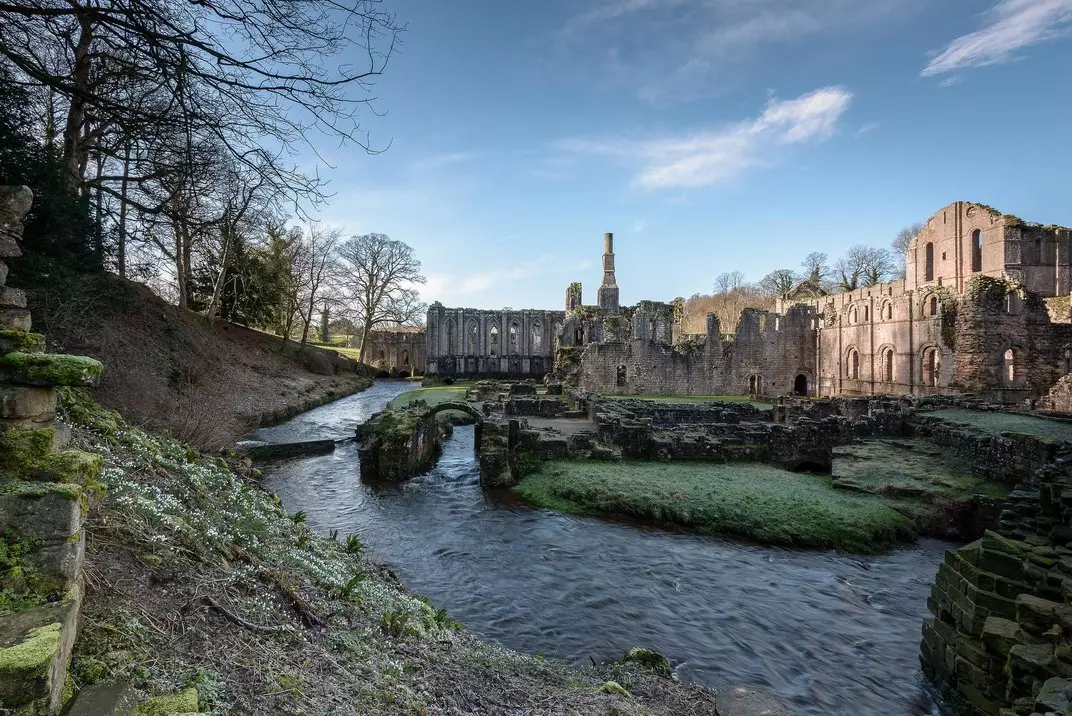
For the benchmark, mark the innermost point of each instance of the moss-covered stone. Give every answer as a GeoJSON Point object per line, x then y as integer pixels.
{"type": "Point", "coordinates": [648, 658]}
{"type": "Point", "coordinates": [183, 702]}
{"type": "Point", "coordinates": [80, 409]}
{"type": "Point", "coordinates": [25, 664]}
{"type": "Point", "coordinates": [613, 687]}
{"type": "Point", "coordinates": [23, 449]}
{"type": "Point", "coordinates": [49, 369]}
{"type": "Point", "coordinates": [24, 341]}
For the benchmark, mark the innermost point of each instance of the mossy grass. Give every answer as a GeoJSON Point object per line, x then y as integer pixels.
{"type": "Point", "coordinates": [431, 395]}
{"type": "Point", "coordinates": [751, 501]}
{"type": "Point", "coordinates": [997, 423]}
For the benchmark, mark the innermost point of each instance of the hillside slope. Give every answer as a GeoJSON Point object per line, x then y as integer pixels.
{"type": "Point", "coordinates": [170, 371]}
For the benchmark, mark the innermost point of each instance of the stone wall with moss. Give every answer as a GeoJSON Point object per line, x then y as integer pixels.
{"type": "Point", "coordinates": [44, 488]}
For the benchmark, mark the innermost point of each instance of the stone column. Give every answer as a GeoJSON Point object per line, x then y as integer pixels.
{"type": "Point", "coordinates": [607, 295]}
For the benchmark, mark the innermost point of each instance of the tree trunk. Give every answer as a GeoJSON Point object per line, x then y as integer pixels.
{"type": "Point", "coordinates": [180, 269]}
{"type": "Point", "coordinates": [289, 325]}
{"type": "Point", "coordinates": [324, 317]}
{"type": "Point", "coordinates": [98, 230]}
{"type": "Point", "coordinates": [221, 279]}
{"type": "Point", "coordinates": [121, 248]}
{"type": "Point", "coordinates": [366, 329]}
{"type": "Point", "coordinates": [74, 149]}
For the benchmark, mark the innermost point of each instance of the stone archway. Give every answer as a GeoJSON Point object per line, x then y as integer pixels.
{"type": "Point", "coordinates": [800, 385]}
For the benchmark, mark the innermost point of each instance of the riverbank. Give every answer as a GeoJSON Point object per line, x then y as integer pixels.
{"type": "Point", "coordinates": [170, 371]}
{"type": "Point", "coordinates": [197, 579]}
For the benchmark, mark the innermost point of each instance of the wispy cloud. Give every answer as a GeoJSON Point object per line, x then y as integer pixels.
{"type": "Point", "coordinates": [669, 50]}
{"type": "Point", "coordinates": [440, 161]}
{"type": "Point", "coordinates": [720, 155]}
{"type": "Point", "coordinates": [1011, 25]}
{"type": "Point", "coordinates": [866, 129]}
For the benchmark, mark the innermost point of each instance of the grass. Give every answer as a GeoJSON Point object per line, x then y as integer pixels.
{"type": "Point", "coordinates": [433, 395]}
{"type": "Point", "coordinates": [997, 423]}
{"type": "Point", "coordinates": [755, 502]}
{"type": "Point", "coordinates": [909, 468]}
{"type": "Point", "coordinates": [694, 399]}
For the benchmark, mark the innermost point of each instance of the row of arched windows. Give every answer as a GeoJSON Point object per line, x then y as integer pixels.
{"type": "Point", "coordinates": [472, 345]}
{"type": "Point", "coordinates": [931, 361]}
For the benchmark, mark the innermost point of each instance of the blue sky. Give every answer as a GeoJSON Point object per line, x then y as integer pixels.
{"type": "Point", "coordinates": [708, 135]}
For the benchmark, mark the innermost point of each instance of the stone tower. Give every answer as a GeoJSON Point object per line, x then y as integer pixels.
{"type": "Point", "coordinates": [608, 292]}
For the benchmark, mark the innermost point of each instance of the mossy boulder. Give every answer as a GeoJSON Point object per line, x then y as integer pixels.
{"type": "Point", "coordinates": [23, 341]}
{"type": "Point", "coordinates": [35, 646]}
{"type": "Point", "coordinates": [182, 702]}
{"type": "Point", "coordinates": [26, 453]}
{"type": "Point", "coordinates": [48, 369]}
{"type": "Point", "coordinates": [648, 658]}
{"type": "Point", "coordinates": [613, 687]}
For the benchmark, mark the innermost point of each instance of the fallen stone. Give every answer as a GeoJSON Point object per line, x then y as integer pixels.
{"type": "Point", "coordinates": [746, 701]}
{"type": "Point", "coordinates": [1054, 696]}
{"type": "Point", "coordinates": [104, 699]}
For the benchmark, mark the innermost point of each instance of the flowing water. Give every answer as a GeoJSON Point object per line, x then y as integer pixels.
{"type": "Point", "coordinates": [831, 634]}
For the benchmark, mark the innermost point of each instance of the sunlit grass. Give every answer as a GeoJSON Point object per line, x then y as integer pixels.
{"type": "Point", "coordinates": [996, 423]}
{"type": "Point", "coordinates": [433, 395]}
{"type": "Point", "coordinates": [752, 501]}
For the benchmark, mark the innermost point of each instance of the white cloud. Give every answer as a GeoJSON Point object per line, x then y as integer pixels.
{"type": "Point", "coordinates": [866, 129]}
{"type": "Point", "coordinates": [1013, 25]}
{"type": "Point", "coordinates": [717, 156]}
{"type": "Point", "coordinates": [669, 50]}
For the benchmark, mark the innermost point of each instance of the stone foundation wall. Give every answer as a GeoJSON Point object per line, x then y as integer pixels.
{"type": "Point", "coordinates": [44, 488]}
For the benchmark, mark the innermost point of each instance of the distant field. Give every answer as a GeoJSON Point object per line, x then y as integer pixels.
{"type": "Point", "coordinates": [997, 423]}
{"type": "Point", "coordinates": [751, 501]}
{"type": "Point", "coordinates": [694, 399]}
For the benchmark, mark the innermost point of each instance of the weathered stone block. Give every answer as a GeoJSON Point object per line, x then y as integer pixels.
{"type": "Point", "coordinates": [12, 297]}
{"type": "Point", "coordinates": [21, 341]}
{"type": "Point", "coordinates": [1001, 635]}
{"type": "Point", "coordinates": [27, 402]}
{"type": "Point", "coordinates": [48, 369]}
{"type": "Point", "coordinates": [15, 319]}
{"type": "Point", "coordinates": [104, 699]}
{"type": "Point", "coordinates": [40, 511]}
{"type": "Point", "coordinates": [1002, 564]}
{"type": "Point", "coordinates": [1054, 696]}
{"type": "Point", "coordinates": [35, 649]}
{"type": "Point", "coordinates": [1036, 615]}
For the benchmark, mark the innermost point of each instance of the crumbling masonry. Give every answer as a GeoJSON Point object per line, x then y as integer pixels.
{"type": "Point", "coordinates": [984, 308]}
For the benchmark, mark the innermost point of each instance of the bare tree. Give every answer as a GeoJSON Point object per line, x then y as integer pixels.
{"type": "Point", "coordinates": [318, 267]}
{"type": "Point", "coordinates": [381, 276]}
{"type": "Point", "coordinates": [863, 266]}
{"type": "Point", "coordinates": [729, 281]}
{"type": "Point", "coordinates": [778, 283]}
{"type": "Point", "coordinates": [904, 238]}
{"type": "Point", "coordinates": [815, 267]}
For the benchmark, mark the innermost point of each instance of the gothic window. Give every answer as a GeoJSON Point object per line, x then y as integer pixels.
{"type": "Point", "coordinates": [928, 262]}
{"type": "Point", "coordinates": [852, 364]}
{"type": "Point", "coordinates": [932, 306]}
{"type": "Point", "coordinates": [887, 365]}
{"type": "Point", "coordinates": [472, 335]}
{"type": "Point", "coordinates": [977, 251]}
{"type": "Point", "coordinates": [493, 341]}
{"type": "Point", "coordinates": [514, 338]}
{"type": "Point", "coordinates": [452, 340]}
{"type": "Point", "coordinates": [1014, 369]}
{"type": "Point", "coordinates": [537, 338]}
{"type": "Point", "coordinates": [932, 365]}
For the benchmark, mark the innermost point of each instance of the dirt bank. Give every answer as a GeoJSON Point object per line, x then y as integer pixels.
{"type": "Point", "coordinates": [169, 371]}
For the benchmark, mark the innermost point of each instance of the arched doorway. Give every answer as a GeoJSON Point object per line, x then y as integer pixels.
{"type": "Point", "coordinates": [755, 384]}
{"type": "Point", "coordinates": [800, 385]}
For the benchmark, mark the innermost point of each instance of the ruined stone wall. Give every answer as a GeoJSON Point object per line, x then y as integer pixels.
{"type": "Point", "coordinates": [1000, 641]}
{"type": "Point", "coordinates": [44, 490]}
{"type": "Point", "coordinates": [468, 342]}
{"type": "Point", "coordinates": [398, 351]}
{"type": "Point", "coordinates": [774, 354]}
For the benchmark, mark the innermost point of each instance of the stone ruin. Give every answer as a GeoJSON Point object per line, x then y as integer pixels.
{"type": "Point", "coordinates": [44, 488]}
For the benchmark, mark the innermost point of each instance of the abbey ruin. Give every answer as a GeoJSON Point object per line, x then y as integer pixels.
{"type": "Point", "coordinates": [984, 308]}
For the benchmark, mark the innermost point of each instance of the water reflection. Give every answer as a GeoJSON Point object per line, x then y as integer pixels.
{"type": "Point", "coordinates": [832, 634]}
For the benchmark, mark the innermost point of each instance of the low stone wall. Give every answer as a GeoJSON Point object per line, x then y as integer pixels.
{"type": "Point", "coordinates": [1007, 458]}
{"type": "Point", "coordinates": [536, 407]}
{"type": "Point", "coordinates": [44, 489]}
{"type": "Point", "coordinates": [1000, 642]}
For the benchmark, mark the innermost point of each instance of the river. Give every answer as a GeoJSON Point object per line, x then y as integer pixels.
{"type": "Point", "coordinates": [830, 633]}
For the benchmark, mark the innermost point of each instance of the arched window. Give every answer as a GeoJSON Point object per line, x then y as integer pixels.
{"type": "Point", "coordinates": [932, 367]}
{"type": "Point", "coordinates": [852, 364]}
{"type": "Point", "coordinates": [514, 337]}
{"type": "Point", "coordinates": [452, 338]}
{"type": "Point", "coordinates": [928, 262]}
{"type": "Point", "coordinates": [620, 378]}
{"type": "Point", "coordinates": [472, 336]}
{"type": "Point", "coordinates": [854, 315]}
{"type": "Point", "coordinates": [1013, 372]}
{"type": "Point", "coordinates": [867, 313]}
{"type": "Point", "coordinates": [932, 306]}
{"type": "Point", "coordinates": [493, 341]}
{"type": "Point", "coordinates": [887, 311]}
{"type": "Point", "coordinates": [886, 364]}
{"type": "Point", "coordinates": [537, 338]}
{"type": "Point", "coordinates": [977, 251]}
{"type": "Point", "coordinates": [405, 357]}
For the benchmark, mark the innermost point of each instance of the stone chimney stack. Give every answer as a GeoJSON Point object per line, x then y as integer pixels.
{"type": "Point", "coordinates": [608, 292]}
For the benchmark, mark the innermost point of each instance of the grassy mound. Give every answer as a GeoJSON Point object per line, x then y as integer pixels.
{"type": "Point", "coordinates": [198, 579]}
{"type": "Point", "coordinates": [755, 502]}
{"type": "Point", "coordinates": [432, 395]}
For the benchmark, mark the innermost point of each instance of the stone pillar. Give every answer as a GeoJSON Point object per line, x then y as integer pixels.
{"type": "Point", "coordinates": [42, 502]}
{"type": "Point", "coordinates": [608, 292]}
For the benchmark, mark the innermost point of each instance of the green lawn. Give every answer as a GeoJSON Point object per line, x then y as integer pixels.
{"type": "Point", "coordinates": [695, 399]}
{"type": "Point", "coordinates": [433, 395]}
{"type": "Point", "coordinates": [747, 500]}
{"type": "Point", "coordinates": [997, 423]}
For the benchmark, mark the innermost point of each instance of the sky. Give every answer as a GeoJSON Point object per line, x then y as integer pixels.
{"type": "Point", "coordinates": [708, 135]}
